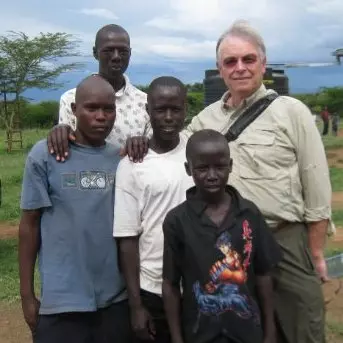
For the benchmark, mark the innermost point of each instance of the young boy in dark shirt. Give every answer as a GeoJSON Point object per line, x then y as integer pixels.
{"type": "Point", "coordinates": [218, 245]}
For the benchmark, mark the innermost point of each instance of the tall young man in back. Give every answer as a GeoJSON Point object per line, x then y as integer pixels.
{"type": "Point", "coordinates": [145, 192]}
{"type": "Point", "coordinates": [112, 50]}
{"type": "Point", "coordinates": [67, 221]}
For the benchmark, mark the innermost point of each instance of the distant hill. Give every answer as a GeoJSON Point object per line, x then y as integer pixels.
{"type": "Point", "coordinates": [301, 79]}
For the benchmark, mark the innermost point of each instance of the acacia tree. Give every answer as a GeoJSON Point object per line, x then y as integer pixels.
{"type": "Point", "coordinates": [33, 63]}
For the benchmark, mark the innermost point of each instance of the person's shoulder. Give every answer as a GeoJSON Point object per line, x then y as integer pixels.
{"type": "Point", "coordinates": [176, 214]}
{"type": "Point", "coordinates": [291, 103]}
{"type": "Point", "coordinates": [126, 164]}
{"type": "Point", "coordinates": [39, 152]}
{"type": "Point", "coordinates": [291, 108]}
{"type": "Point", "coordinates": [245, 203]}
{"type": "Point", "coordinates": [138, 93]}
{"type": "Point", "coordinates": [69, 95]}
{"type": "Point", "coordinates": [183, 139]}
{"type": "Point", "coordinates": [113, 149]}
{"type": "Point", "coordinates": [211, 108]}
{"type": "Point", "coordinates": [112, 152]}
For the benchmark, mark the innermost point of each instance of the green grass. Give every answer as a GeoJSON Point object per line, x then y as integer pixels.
{"type": "Point", "coordinates": [12, 165]}
{"type": "Point", "coordinates": [331, 142]}
{"type": "Point", "coordinates": [336, 176]}
{"type": "Point", "coordinates": [337, 216]}
{"type": "Point", "coordinates": [11, 171]}
{"type": "Point", "coordinates": [9, 282]}
{"type": "Point", "coordinates": [9, 274]}
{"type": "Point", "coordinates": [334, 330]}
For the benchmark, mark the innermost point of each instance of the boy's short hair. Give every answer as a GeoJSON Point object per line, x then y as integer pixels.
{"type": "Point", "coordinates": [91, 81]}
{"type": "Point", "coordinates": [207, 135]}
{"type": "Point", "coordinates": [166, 81]}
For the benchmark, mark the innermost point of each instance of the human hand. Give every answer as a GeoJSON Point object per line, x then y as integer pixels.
{"type": "Point", "coordinates": [136, 148]}
{"type": "Point", "coordinates": [30, 308]}
{"type": "Point", "coordinates": [142, 324]}
{"type": "Point", "coordinates": [58, 141]}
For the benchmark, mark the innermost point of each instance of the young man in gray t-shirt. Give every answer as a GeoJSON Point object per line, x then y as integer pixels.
{"type": "Point", "coordinates": [67, 221]}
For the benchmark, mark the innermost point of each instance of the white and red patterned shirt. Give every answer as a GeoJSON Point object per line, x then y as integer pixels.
{"type": "Point", "coordinates": [131, 120]}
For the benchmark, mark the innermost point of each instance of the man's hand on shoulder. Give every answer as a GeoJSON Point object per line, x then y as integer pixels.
{"type": "Point", "coordinates": [136, 148]}
{"type": "Point", "coordinates": [58, 141]}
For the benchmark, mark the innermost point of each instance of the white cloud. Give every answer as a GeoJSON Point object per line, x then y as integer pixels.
{"type": "Point", "coordinates": [330, 8]}
{"type": "Point", "coordinates": [293, 30]}
{"type": "Point", "coordinates": [174, 48]}
{"type": "Point", "coordinates": [98, 12]}
{"type": "Point", "coordinates": [186, 30]}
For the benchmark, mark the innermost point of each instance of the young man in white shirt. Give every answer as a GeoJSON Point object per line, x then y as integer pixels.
{"type": "Point", "coordinates": [112, 50]}
{"type": "Point", "coordinates": [145, 193]}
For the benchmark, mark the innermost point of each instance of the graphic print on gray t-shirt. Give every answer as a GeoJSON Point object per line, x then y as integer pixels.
{"type": "Point", "coordinates": [78, 257]}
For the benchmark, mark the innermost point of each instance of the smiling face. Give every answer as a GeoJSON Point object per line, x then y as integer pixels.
{"type": "Point", "coordinates": [241, 65]}
{"type": "Point", "coordinates": [167, 110]}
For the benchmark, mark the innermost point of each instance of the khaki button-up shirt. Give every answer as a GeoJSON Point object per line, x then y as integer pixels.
{"type": "Point", "coordinates": [279, 161]}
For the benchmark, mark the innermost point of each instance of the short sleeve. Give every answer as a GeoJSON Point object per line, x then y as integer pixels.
{"type": "Point", "coordinates": [35, 188]}
{"type": "Point", "coordinates": [172, 253]}
{"type": "Point", "coordinates": [66, 115]}
{"type": "Point", "coordinates": [127, 220]}
{"type": "Point", "coordinates": [267, 250]}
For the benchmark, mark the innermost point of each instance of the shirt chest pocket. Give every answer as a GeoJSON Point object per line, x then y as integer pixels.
{"type": "Point", "coordinates": [257, 155]}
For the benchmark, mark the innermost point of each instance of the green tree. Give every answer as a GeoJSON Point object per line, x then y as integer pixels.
{"type": "Point", "coordinates": [33, 63]}
{"type": "Point", "coordinates": [195, 103]}
{"type": "Point", "coordinates": [332, 98]}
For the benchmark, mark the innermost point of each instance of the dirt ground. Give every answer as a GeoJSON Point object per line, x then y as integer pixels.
{"type": "Point", "coordinates": [14, 330]}
{"type": "Point", "coordinates": [12, 326]}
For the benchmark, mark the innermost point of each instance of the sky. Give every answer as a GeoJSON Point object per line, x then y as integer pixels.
{"type": "Point", "coordinates": [178, 37]}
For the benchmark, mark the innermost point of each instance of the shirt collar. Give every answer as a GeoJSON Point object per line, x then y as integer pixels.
{"type": "Point", "coordinates": [125, 89]}
{"type": "Point", "coordinates": [199, 206]}
{"type": "Point", "coordinates": [259, 93]}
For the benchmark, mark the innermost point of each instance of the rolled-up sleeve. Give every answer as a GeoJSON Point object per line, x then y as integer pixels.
{"type": "Point", "coordinates": [313, 167]}
{"type": "Point", "coordinates": [127, 217]}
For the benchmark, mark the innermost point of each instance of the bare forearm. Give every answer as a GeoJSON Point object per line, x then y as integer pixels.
{"type": "Point", "coordinates": [129, 262]}
{"type": "Point", "coordinates": [264, 287]}
{"type": "Point", "coordinates": [317, 236]}
{"type": "Point", "coordinates": [29, 243]}
{"type": "Point", "coordinates": [172, 305]}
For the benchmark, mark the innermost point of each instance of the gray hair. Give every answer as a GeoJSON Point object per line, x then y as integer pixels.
{"type": "Point", "coordinates": [242, 29]}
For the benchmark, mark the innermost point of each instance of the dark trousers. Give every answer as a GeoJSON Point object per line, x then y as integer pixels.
{"type": "Point", "coordinates": [325, 128]}
{"type": "Point", "coordinates": [108, 325]}
{"type": "Point", "coordinates": [154, 305]}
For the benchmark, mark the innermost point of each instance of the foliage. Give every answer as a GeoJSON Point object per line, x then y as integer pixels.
{"type": "Point", "coordinates": [330, 97]}
{"type": "Point", "coordinates": [143, 88]}
{"type": "Point", "coordinates": [33, 63]}
{"type": "Point", "coordinates": [40, 115]}
{"type": "Point", "coordinates": [196, 87]}
{"type": "Point", "coordinates": [195, 103]}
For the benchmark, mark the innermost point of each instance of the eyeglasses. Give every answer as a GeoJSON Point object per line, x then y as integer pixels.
{"type": "Point", "coordinates": [247, 59]}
